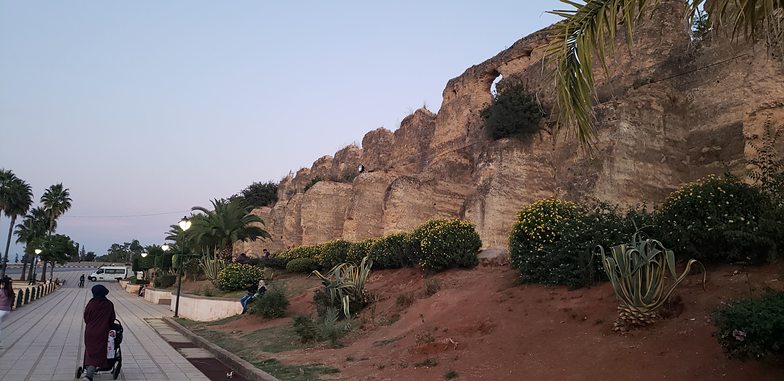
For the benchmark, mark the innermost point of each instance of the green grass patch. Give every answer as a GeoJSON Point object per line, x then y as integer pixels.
{"type": "Point", "coordinates": [450, 375]}
{"type": "Point", "coordinates": [285, 372]}
{"type": "Point", "coordinates": [277, 339]}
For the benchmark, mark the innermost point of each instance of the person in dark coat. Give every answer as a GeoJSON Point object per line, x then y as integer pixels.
{"type": "Point", "coordinates": [98, 317]}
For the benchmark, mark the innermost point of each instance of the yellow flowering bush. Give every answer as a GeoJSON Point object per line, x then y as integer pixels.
{"type": "Point", "coordinates": [552, 242]}
{"type": "Point", "coordinates": [393, 251]}
{"type": "Point", "coordinates": [719, 219]}
{"type": "Point", "coordinates": [332, 253]}
{"type": "Point", "coordinates": [445, 244]}
{"type": "Point", "coordinates": [359, 250]}
{"type": "Point", "coordinates": [237, 276]}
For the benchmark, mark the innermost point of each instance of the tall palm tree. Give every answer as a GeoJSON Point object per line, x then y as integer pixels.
{"type": "Point", "coordinates": [229, 221]}
{"type": "Point", "coordinates": [17, 198]}
{"type": "Point", "coordinates": [590, 26]}
{"type": "Point", "coordinates": [33, 227]}
{"type": "Point", "coordinates": [56, 200]}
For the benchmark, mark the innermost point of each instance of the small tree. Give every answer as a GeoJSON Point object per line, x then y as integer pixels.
{"type": "Point", "coordinates": [261, 194]}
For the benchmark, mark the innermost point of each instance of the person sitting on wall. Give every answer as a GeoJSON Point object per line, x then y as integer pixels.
{"type": "Point", "coordinates": [245, 300]}
{"type": "Point", "coordinates": [243, 259]}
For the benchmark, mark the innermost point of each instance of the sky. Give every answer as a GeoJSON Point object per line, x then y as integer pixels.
{"type": "Point", "coordinates": [145, 108]}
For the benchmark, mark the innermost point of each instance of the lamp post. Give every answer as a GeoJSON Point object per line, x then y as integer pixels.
{"type": "Point", "coordinates": [144, 272]}
{"type": "Point", "coordinates": [35, 267]}
{"type": "Point", "coordinates": [185, 224]}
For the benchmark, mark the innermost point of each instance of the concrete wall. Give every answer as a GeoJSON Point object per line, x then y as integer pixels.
{"type": "Point", "coordinates": [200, 308]}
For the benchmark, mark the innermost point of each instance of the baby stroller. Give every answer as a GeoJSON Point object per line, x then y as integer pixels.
{"type": "Point", "coordinates": [114, 353]}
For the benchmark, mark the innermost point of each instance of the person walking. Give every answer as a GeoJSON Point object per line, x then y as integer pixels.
{"type": "Point", "coordinates": [81, 281]}
{"type": "Point", "coordinates": [98, 317]}
{"type": "Point", "coordinates": [6, 300]}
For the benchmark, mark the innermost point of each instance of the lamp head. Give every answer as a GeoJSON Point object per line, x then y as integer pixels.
{"type": "Point", "coordinates": [38, 251]}
{"type": "Point", "coordinates": [165, 247]}
{"type": "Point", "coordinates": [144, 254]}
{"type": "Point", "coordinates": [184, 223]}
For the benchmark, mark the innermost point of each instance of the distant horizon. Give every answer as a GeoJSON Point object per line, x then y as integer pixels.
{"type": "Point", "coordinates": [144, 110]}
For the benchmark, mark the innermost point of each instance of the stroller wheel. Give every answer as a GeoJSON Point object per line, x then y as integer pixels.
{"type": "Point", "coordinates": [78, 372]}
{"type": "Point", "coordinates": [116, 370]}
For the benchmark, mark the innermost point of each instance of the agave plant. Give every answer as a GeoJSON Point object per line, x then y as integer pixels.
{"type": "Point", "coordinates": [345, 284]}
{"type": "Point", "coordinates": [211, 266]}
{"type": "Point", "coordinates": [639, 276]}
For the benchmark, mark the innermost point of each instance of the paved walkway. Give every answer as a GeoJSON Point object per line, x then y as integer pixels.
{"type": "Point", "coordinates": [44, 340]}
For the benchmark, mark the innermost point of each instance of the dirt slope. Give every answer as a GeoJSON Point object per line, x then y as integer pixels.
{"type": "Point", "coordinates": [484, 326]}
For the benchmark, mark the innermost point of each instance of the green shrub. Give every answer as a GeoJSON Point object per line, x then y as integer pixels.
{"type": "Point", "coordinates": [393, 251]}
{"type": "Point", "coordinates": [301, 265]}
{"type": "Point", "coordinates": [718, 219]}
{"type": "Point", "coordinates": [312, 182]}
{"type": "Point", "coordinates": [445, 244]}
{"type": "Point", "coordinates": [261, 194]}
{"type": "Point", "coordinates": [237, 276]}
{"type": "Point", "coordinates": [569, 260]}
{"type": "Point", "coordinates": [326, 327]}
{"type": "Point", "coordinates": [513, 112]}
{"type": "Point", "coordinates": [303, 251]}
{"type": "Point", "coordinates": [358, 250]}
{"type": "Point", "coordinates": [752, 328]}
{"type": "Point", "coordinates": [538, 226]}
{"type": "Point", "coordinates": [332, 253]}
{"type": "Point", "coordinates": [306, 329]}
{"type": "Point", "coordinates": [163, 281]}
{"type": "Point", "coordinates": [274, 262]}
{"type": "Point", "coordinates": [273, 304]}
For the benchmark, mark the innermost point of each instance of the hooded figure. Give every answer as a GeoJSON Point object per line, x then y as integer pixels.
{"type": "Point", "coordinates": [98, 317]}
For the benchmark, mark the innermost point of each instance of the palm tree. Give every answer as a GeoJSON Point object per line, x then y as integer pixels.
{"type": "Point", "coordinates": [590, 27]}
{"type": "Point", "coordinates": [17, 196]}
{"type": "Point", "coordinates": [33, 227]}
{"type": "Point", "coordinates": [229, 221]}
{"type": "Point", "coordinates": [56, 201]}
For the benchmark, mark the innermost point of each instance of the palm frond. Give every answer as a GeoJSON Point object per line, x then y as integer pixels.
{"type": "Point", "coordinates": [590, 26]}
{"type": "Point", "coordinates": [587, 29]}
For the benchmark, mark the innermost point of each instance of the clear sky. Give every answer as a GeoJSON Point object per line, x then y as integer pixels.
{"type": "Point", "coordinates": [146, 108]}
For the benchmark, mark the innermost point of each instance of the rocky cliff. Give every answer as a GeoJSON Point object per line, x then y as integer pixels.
{"type": "Point", "coordinates": [670, 110]}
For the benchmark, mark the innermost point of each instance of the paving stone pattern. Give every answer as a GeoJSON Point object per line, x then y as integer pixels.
{"type": "Point", "coordinates": [44, 340]}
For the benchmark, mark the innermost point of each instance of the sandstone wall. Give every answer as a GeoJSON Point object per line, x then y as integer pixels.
{"type": "Point", "coordinates": [323, 211]}
{"type": "Point", "coordinates": [669, 111]}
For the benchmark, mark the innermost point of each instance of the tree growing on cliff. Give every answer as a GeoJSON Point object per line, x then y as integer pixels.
{"type": "Point", "coordinates": [589, 28]}
{"type": "Point", "coordinates": [260, 194]}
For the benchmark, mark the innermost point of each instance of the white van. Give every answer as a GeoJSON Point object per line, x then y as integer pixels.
{"type": "Point", "coordinates": [109, 273]}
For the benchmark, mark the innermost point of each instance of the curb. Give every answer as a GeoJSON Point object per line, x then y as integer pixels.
{"type": "Point", "coordinates": [241, 366]}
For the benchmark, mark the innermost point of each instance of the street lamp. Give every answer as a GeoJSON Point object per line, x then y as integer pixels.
{"type": "Point", "coordinates": [35, 263]}
{"type": "Point", "coordinates": [185, 224]}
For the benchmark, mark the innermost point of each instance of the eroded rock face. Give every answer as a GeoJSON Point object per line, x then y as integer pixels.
{"type": "Point", "coordinates": [323, 211]}
{"type": "Point", "coordinates": [365, 214]}
{"type": "Point", "coordinates": [377, 149]}
{"type": "Point", "coordinates": [412, 142]}
{"type": "Point", "coordinates": [670, 111]}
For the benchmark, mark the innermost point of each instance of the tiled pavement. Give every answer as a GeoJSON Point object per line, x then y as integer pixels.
{"type": "Point", "coordinates": [44, 340]}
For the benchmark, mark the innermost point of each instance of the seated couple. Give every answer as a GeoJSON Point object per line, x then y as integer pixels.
{"type": "Point", "coordinates": [254, 291]}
